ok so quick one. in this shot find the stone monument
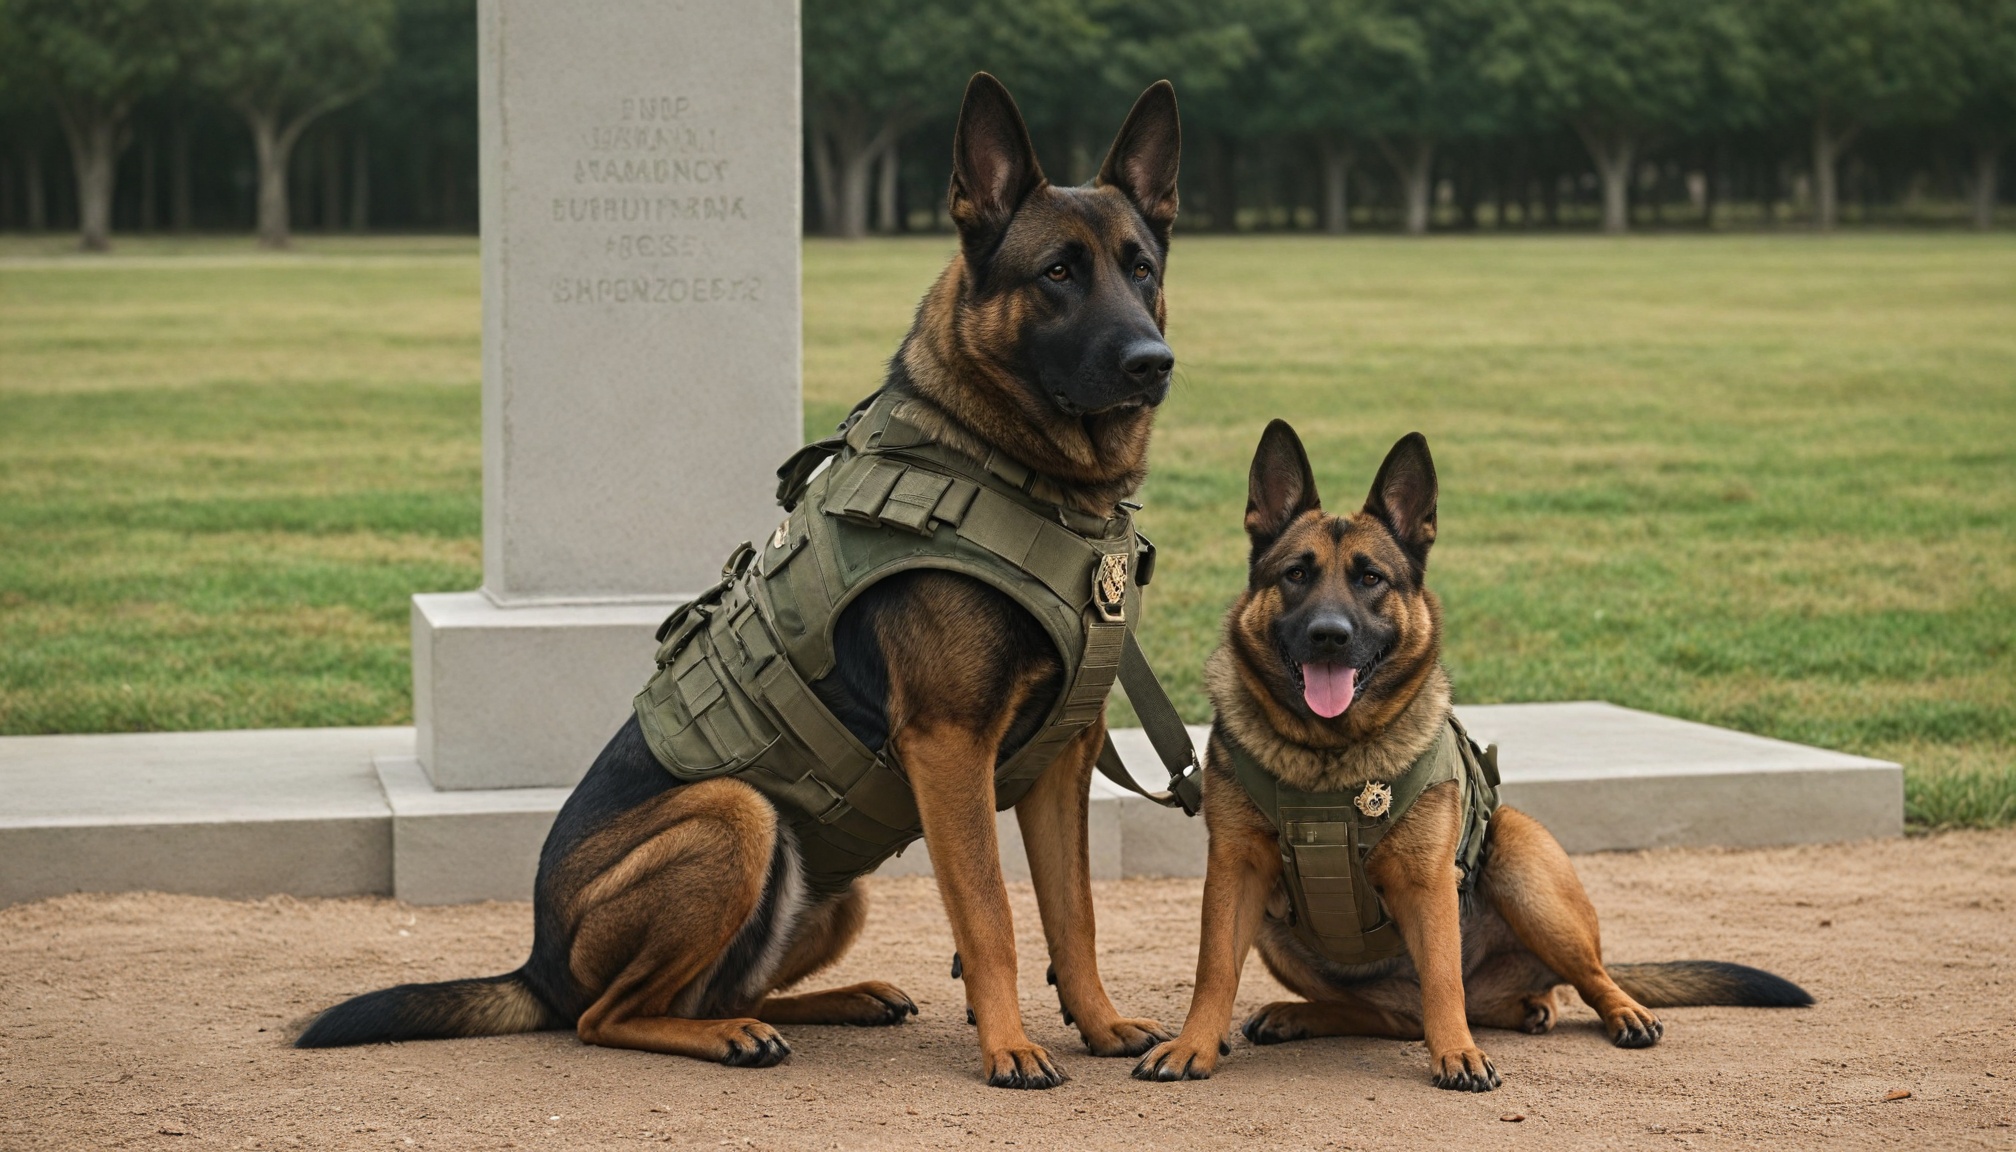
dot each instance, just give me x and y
(640, 221)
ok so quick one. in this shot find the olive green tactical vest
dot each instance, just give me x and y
(732, 693)
(1325, 838)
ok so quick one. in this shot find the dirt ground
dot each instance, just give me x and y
(158, 1022)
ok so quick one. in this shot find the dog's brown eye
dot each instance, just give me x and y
(1141, 270)
(1297, 575)
(1058, 272)
(1369, 579)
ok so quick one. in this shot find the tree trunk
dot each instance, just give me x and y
(94, 156)
(1413, 161)
(822, 183)
(272, 147)
(274, 142)
(1711, 185)
(1612, 149)
(1829, 143)
(360, 181)
(1336, 213)
(1550, 195)
(857, 170)
(148, 192)
(1987, 166)
(332, 182)
(181, 196)
(1221, 182)
(886, 207)
(35, 198)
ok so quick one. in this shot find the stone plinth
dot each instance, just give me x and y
(640, 220)
(340, 811)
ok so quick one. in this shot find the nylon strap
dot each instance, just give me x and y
(1165, 729)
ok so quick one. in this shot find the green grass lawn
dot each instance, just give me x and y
(1766, 482)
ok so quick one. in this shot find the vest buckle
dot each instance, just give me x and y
(1109, 588)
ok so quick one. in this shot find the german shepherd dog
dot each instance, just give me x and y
(669, 917)
(1329, 674)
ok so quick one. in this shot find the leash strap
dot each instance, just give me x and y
(1165, 731)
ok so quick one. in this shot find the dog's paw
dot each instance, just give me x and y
(1278, 1023)
(1181, 1059)
(1464, 1070)
(1023, 1065)
(1633, 1026)
(1541, 1013)
(1123, 1037)
(880, 1004)
(751, 1044)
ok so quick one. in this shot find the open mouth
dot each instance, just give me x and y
(1329, 689)
(1067, 406)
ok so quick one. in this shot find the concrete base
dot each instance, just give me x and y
(1604, 778)
(463, 846)
(234, 814)
(523, 697)
(334, 812)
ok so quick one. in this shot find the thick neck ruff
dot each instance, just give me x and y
(1382, 757)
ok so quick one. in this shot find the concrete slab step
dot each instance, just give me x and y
(345, 811)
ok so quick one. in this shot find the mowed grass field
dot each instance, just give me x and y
(1765, 482)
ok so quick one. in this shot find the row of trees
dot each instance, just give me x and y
(1296, 112)
(278, 65)
(1435, 92)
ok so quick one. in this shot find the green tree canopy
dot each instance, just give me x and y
(1622, 73)
(281, 64)
(1843, 66)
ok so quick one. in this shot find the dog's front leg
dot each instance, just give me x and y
(952, 773)
(1416, 875)
(1241, 868)
(1053, 819)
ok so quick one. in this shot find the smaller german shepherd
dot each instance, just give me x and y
(1330, 676)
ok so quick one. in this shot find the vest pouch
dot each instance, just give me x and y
(698, 720)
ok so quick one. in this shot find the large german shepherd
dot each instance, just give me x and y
(1330, 676)
(667, 916)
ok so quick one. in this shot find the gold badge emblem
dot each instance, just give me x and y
(1109, 587)
(783, 534)
(1375, 800)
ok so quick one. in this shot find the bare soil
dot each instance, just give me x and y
(160, 1021)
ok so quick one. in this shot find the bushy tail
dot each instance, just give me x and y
(1683, 983)
(491, 1006)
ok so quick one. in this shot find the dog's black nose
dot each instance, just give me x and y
(1147, 361)
(1328, 637)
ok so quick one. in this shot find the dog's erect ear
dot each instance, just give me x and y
(1143, 160)
(993, 164)
(1403, 496)
(1280, 488)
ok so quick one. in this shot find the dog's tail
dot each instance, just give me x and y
(1684, 983)
(489, 1006)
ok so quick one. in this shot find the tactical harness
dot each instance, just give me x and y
(1325, 838)
(733, 696)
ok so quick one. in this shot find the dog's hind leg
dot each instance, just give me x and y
(824, 937)
(652, 927)
(1529, 880)
(1286, 1020)
(1053, 817)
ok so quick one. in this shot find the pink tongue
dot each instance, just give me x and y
(1328, 688)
